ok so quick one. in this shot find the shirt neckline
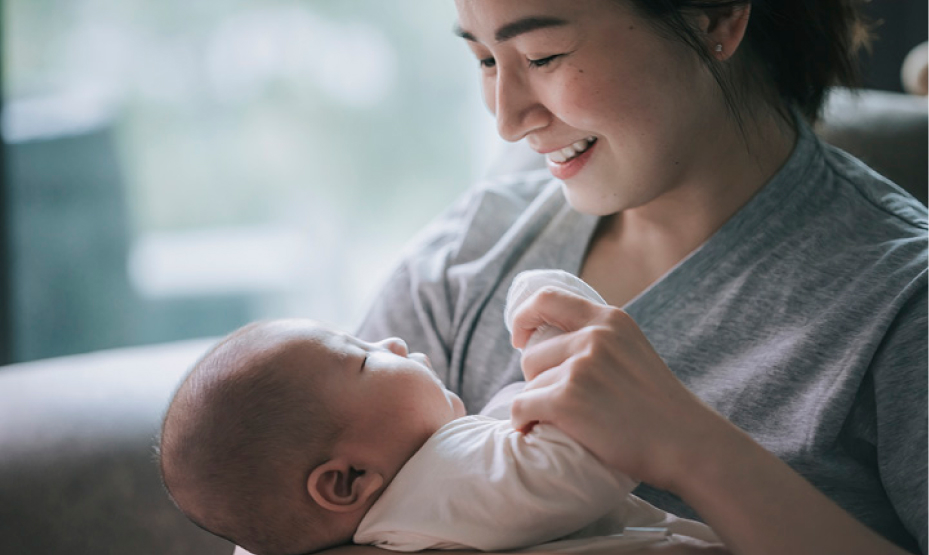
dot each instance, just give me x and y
(753, 217)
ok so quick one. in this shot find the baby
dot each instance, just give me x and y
(285, 433)
(288, 437)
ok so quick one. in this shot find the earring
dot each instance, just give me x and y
(719, 47)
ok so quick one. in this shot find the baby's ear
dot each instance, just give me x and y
(339, 487)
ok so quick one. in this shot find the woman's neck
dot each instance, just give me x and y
(641, 244)
(734, 169)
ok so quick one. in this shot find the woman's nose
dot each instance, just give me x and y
(516, 107)
(395, 345)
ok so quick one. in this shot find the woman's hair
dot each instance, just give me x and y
(793, 50)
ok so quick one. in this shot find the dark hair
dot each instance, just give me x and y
(793, 50)
(237, 438)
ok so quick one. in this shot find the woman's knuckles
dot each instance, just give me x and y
(518, 410)
(581, 371)
(548, 300)
(532, 369)
(548, 295)
(618, 319)
(596, 359)
(600, 337)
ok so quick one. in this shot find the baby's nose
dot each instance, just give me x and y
(396, 346)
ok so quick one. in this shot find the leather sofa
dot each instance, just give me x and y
(77, 468)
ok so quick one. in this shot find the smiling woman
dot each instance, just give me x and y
(735, 370)
(760, 362)
(179, 170)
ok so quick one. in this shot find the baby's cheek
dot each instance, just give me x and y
(458, 407)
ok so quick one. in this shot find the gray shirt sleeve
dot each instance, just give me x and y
(900, 391)
(415, 303)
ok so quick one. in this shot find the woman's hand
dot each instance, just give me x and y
(602, 383)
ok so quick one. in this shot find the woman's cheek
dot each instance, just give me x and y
(573, 97)
(584, 101)
(489, 92)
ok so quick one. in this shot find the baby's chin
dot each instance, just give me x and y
(458, 408)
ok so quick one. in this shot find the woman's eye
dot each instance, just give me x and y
(542, 62)
(488, 63)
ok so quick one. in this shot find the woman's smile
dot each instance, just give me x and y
(604, 116)
(569, 161)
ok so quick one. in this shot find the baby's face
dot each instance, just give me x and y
(387, 396)
(383, 381)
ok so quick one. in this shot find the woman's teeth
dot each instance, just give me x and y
(569, 152)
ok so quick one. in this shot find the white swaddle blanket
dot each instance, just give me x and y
(479, 484)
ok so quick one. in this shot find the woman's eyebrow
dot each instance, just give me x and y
(516, 28)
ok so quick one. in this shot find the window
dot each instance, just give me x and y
(177, 169)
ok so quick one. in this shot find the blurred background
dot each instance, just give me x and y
(175, 169)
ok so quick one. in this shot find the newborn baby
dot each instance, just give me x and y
(286, 432)
(288, 437)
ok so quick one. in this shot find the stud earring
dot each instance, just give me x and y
(719, 47)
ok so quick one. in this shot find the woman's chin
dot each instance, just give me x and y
(591, 204)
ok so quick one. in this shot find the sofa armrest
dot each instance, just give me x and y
(78, 473)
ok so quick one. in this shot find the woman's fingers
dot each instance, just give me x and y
(603, 384)
(551, 306)
(547, 354)
(533, 404)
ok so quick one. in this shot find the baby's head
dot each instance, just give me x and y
(285, 433)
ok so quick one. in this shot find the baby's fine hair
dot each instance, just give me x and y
(236, 442)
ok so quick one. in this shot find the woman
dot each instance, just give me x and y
(774, 284)
(767, 371)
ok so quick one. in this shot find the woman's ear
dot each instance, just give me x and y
(339, 487)
(724, 28)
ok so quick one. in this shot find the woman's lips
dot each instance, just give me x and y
(567, 170)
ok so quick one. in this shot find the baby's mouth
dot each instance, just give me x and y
(572, 151)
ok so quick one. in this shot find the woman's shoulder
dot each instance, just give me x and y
(510, 194)
(505, 198)
(887, 227)
(870, 237)
(890, 202)
(487, 211)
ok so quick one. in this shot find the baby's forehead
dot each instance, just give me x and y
(288, 334)
(288, 349)
(300, 342)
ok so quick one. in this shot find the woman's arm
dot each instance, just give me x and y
(603, 384)
(759, 505)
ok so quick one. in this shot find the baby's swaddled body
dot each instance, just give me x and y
(479, 484)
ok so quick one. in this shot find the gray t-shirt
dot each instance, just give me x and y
(803, 320)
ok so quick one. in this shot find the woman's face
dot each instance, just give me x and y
(622, 113)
